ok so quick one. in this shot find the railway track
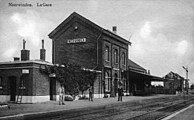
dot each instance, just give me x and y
(161, 113)
(139, 110)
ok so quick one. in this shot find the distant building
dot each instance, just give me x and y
(79, 40)
(174, 82)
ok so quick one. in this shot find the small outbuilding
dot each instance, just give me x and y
(27, 81)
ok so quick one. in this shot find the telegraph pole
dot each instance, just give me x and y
(186, 80)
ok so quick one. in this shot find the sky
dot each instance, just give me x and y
(161, 31)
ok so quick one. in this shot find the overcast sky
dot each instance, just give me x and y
(162, 30)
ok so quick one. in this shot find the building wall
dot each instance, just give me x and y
(82, 53)
(173, 84)
(16, 73)
(112, 67)
(97, 88)
(36, 83)
(40, 83)
(174, 81)
(5, 90)
(98, 84)
(89, 54)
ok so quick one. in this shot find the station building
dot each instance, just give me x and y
(79, 40)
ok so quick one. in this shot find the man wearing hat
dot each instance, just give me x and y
(120, 91)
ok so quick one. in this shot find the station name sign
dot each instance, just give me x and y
(25, 71)
(78, 40)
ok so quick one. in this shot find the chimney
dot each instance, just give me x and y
(114, 29)
(25, 54)
(16, 58)
(149, 72)
(42, 52)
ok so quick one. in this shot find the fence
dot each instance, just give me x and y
(162, 91)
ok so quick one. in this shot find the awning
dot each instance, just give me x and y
(147, 76)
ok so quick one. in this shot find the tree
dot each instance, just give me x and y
(86, 80)
(74, 78)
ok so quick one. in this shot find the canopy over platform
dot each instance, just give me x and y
(146, 76)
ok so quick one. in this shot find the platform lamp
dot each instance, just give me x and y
(186, 80)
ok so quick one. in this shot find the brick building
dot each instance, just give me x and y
(174, 82)
(79, 40)
(26, 79)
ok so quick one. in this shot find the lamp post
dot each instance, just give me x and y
(186, 80)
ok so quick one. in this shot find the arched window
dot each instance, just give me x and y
(107, 81)
(123, 58)
(124, 84)
(116, 57)
(106, 56)
(123, 79)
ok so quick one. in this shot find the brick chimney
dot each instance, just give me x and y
(114, 29)
(42, 52)
(25, 54)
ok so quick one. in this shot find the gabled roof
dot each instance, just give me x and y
(74, 14)
(173, 76)
(134, 66)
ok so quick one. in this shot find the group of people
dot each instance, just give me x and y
(61, 92)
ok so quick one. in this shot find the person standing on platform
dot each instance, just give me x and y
(90, 94)
(61, 92)
(120, 93)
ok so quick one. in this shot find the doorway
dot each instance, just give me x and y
(115, 84)
(12, 80)
(52, 88)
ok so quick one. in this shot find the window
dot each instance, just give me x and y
(1, 82)
(124, 84)
(107, 82)
(116, 59)
(22, 81)
(123, 58)
(106, 53)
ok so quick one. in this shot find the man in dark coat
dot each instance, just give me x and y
(90, 94)
(120, 93)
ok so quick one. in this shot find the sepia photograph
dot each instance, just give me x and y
(96, 59)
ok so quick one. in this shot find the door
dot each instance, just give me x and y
(115, 85)
(12, 80)
(52, 89)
